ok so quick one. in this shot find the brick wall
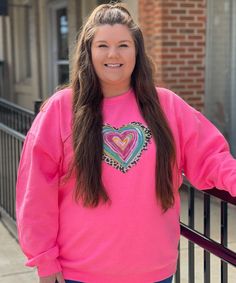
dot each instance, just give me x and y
(174, 32)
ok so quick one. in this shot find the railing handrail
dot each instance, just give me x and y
(12, 132)
(208, 244)
(15, 106)
(215, 192)
(221, 194)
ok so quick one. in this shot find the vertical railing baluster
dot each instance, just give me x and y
(8, 188)
(21, 122)
(9, 176)
(6, 172)
(191, 210)
(224, 239)
(15, 118)
(207, 223)
(1, 168)
(177, 274)
(14, 171)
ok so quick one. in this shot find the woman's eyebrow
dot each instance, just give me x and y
(100, 40)
(104, 41)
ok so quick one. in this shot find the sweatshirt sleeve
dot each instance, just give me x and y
(37, 192)
(205, 154)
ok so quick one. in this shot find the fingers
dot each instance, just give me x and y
(60, 278)
(55, 278)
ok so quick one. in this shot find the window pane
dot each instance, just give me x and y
(62, 34)
(27, 25)
(63, 74)
(21, 28)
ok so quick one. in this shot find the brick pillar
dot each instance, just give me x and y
(174, 34)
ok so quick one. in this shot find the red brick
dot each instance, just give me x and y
(178, 37)
(186, 18)
(195, 25)
(195, 74)
(196, 12)
(186, 43)
(186, 30)
(195, 50)
(186, 68)
(169, 4)
(178, 50)
(178, 11)
(171, 18)
(177, 62)
(181, 80)
(187, 92)
(195, 86)
(169, 68)
(169, 56)
(174, 32)
(185, 56)
(179, 86)
(178, 24)
(169, 30)
(178, 74)
(195, 37)
(169, 43)
(187, 5)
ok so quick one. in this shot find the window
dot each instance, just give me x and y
(21, 28)
(62, 45)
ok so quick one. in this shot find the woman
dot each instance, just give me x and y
(97, 190)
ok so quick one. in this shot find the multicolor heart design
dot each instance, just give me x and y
(123, 146)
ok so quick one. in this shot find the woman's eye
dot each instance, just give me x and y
(123, 45)
(102, 45)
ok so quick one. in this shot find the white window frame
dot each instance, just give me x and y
(233, 81)
(53, 48)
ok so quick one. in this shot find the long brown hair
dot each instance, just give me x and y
(87, 116)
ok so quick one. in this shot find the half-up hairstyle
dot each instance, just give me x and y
(87, 116)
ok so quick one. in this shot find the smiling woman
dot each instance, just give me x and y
(97, 189)
(113, 58)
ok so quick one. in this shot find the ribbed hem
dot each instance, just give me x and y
(157, 275)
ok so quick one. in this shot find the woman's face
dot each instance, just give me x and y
(113, 56)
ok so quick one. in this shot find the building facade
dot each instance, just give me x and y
(192, 43)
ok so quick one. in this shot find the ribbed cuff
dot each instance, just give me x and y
(49, 268)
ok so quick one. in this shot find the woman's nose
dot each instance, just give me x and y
(113, 52)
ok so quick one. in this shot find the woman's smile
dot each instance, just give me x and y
(113, 65)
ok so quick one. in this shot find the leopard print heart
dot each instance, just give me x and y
(122, 147)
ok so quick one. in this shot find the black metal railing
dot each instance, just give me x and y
(204, 240)
(15, 117)
(2, 83)
(10, 149)
(15, 122)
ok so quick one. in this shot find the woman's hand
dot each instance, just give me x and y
(52, 278)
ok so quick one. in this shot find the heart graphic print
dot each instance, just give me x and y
(123, 147)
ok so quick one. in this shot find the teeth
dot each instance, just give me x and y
(113, 65)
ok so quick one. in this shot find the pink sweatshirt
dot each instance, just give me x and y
(131, 240)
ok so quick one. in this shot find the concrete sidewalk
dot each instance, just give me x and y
(12, 269)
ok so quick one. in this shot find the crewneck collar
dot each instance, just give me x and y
(118, 98)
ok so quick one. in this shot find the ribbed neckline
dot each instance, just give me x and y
(118, 98)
